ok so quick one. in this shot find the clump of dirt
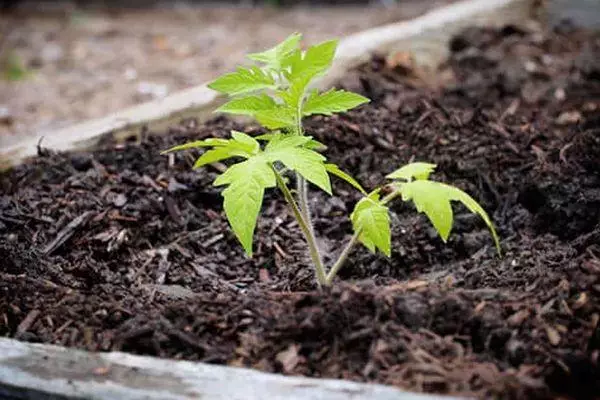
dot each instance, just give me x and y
(124, 249)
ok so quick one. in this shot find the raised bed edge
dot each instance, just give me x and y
(32, 371)
(425, 37)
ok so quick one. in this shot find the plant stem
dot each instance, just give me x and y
(302, 189)
(397, 192)
(342, 259)
(306, 230)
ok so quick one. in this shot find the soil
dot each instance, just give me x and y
(125, 249)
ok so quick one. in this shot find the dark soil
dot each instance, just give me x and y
(124, 249)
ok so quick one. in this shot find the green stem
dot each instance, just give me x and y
(341, 259)
(305, 228)
(302, 188)
(397, 192)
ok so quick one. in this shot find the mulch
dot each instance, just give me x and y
(124, 249)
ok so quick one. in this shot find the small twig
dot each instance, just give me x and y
(67, 232)
(163, 267)
(27, 322)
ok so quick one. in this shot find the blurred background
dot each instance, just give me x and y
(63, 62)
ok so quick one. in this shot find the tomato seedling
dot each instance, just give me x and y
(276, 91)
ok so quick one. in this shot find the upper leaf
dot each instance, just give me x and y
(276, 55)
(433, 199)
(335, 170)
(295, 93)
(242, 199)
(314, 62)
(416, 170)
(249, 105)
(244, 80)
(371, 219)
(281, 142)
(332, 101)
(277, 118)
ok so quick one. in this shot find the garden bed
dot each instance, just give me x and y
(122, 249)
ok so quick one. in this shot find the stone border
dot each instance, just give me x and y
(425, 37)
(36, 371)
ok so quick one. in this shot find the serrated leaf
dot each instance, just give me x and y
(416, 170)
(240, 145)
(274, 56)
(281, 141)
(279, 117)
(335, 170)
(245, 141)
(433, 199)
(311, 144)
(315, 145)
(214, 155)
(249, 105)
(244, 80)
(242, 199)
(294, 94)
(267, 137)
(307, 163)
(314, 62)
(372, 221)
(332, 101)
(211, 142)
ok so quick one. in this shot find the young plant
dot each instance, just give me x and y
(277, 93)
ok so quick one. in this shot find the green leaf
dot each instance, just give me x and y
(279, 117)
(274, 56)
(245, 142)
(311, 144)
(433, 199)
(416, 170)
(211, 142)
(315, 145)
(214, 155)
(314, 62)
(267, 137)
(244, 80)
(332, 101)
(240, 145)
(249, 105)
(335, 170)
(321, 56)
(291, 140)
(306, 162)
(242, 199)
(281, 142)
(372, 221)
